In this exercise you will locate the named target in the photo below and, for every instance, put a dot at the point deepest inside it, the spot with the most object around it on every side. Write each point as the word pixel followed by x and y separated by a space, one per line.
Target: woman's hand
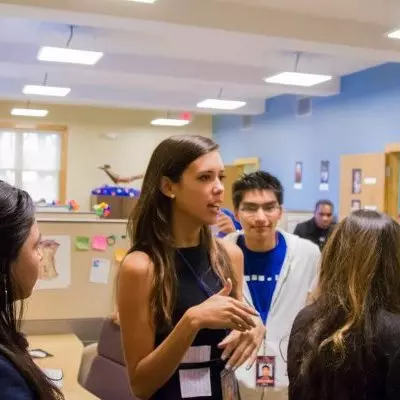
pixel 223 312
pixel 238 347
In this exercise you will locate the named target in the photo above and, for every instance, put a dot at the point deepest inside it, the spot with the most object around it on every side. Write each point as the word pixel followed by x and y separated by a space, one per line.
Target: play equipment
pixel 73 205
pixel 102 209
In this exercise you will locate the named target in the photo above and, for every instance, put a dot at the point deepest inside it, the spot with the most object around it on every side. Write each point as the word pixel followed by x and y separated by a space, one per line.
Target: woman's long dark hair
pixel 359 278
pixel 150 222
pixel 17 216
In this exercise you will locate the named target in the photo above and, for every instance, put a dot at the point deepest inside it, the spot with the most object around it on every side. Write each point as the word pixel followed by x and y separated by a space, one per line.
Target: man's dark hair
pixel 323 202
pixel 259 180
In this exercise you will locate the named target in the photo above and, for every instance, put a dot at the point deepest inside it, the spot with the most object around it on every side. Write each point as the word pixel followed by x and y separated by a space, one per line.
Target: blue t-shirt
pixel 261 272
pixel 230 214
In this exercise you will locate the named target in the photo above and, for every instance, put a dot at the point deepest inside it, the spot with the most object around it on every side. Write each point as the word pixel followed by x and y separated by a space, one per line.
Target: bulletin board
pixel 82 298
pixel 362 183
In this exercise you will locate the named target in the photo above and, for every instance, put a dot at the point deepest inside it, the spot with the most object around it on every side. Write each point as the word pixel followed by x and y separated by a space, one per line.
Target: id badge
pixel 230 388
pixel 265 371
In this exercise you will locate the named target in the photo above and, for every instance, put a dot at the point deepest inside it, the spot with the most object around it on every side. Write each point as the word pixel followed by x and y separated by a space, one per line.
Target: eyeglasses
pixel 268 209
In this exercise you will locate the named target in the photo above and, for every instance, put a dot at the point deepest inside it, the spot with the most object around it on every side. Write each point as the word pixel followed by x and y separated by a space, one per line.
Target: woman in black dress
pixel 180 305
pixel 346 345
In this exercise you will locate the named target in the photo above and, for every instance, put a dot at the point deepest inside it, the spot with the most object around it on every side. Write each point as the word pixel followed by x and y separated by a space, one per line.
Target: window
pixel 31 160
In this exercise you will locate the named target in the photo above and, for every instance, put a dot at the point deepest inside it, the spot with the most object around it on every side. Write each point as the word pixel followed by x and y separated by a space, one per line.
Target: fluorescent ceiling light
pixel 394 34
pixel 143 1
pixel 46 90
pixel 298 79
pixel 169 122
pixel 29 112
pixel 217 104
pixel 71 56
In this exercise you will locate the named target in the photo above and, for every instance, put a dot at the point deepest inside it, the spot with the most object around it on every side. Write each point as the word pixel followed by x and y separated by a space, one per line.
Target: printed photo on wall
pixel 324 176
pixel 298 175
pixel 356 181
pixel 355 205
pixel 55 266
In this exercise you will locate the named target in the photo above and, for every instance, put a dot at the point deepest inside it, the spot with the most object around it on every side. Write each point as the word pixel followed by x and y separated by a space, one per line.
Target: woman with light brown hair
pixel 346 345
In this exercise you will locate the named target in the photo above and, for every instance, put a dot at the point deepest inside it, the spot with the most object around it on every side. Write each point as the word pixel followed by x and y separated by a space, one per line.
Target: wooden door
pixel 232 173
pixel 362 182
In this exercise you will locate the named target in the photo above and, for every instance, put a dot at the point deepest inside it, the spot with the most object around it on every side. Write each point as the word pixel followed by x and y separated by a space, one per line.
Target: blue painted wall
pixel 362 119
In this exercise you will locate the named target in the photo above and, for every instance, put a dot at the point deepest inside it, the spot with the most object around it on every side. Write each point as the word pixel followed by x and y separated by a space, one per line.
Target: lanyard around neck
pixel 206 289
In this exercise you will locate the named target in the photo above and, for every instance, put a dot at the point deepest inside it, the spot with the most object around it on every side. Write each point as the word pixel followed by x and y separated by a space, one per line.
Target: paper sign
pixel 119 254
pixel 82 243
pixel 195 383
pixel 370 181
pixel 196 354
pixel 99 243
pixel 100 270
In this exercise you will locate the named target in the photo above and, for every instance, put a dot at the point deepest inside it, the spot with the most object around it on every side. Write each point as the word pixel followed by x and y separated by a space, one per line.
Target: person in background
pixel 279 268
pixel 20 256
pixel 179 290
pixel 346 345
pixel 227 223
pixel 318 228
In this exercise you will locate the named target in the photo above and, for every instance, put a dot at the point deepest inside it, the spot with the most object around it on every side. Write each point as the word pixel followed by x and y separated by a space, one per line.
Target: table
pixel 67 351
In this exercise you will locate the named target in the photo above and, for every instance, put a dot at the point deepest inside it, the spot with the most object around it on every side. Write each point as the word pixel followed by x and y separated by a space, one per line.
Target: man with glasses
pixel 279 268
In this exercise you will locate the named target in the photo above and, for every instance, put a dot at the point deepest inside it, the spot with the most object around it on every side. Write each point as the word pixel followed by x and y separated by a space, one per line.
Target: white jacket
pixel 298 274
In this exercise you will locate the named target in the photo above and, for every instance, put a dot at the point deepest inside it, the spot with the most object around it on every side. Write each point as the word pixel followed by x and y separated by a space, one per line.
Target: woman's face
pixel 25 269
pixel 200 192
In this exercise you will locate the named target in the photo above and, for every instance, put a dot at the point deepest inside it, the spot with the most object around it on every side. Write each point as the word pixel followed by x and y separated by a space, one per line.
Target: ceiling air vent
pixel 304 106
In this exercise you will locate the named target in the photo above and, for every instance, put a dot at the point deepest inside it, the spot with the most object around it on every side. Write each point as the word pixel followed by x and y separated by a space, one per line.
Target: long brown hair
pixel 17 216
pixel 149 225
pixel 359 277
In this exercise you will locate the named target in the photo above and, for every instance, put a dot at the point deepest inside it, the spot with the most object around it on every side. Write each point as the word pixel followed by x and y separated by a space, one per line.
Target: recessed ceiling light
pixel 298 79
pixel 29 112
pixel 71 56
pixel 394 34
pixel 169 122
pixel 46 90
pixel 217 104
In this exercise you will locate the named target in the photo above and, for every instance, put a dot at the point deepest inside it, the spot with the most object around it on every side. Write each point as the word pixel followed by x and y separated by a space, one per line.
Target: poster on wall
pixel 355 205
pixel 324 176
pixel 298 175
pixel 55 267
pixel 356 181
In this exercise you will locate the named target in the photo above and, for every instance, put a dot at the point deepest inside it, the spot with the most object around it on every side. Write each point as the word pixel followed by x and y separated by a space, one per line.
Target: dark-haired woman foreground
pixel 20 378
pixel 346 345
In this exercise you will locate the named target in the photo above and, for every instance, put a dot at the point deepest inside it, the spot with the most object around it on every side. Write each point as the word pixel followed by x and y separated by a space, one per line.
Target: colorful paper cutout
pixel 99 243
pixel 82 243
pixel 119 254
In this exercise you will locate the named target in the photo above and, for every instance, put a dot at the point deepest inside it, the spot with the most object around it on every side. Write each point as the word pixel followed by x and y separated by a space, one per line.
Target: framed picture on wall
pixel 355 205
pixel 298 175
pixel 356 180
pixel 324 176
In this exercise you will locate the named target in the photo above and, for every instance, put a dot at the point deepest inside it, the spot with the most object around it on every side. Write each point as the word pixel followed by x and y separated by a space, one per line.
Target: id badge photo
pixel 265 371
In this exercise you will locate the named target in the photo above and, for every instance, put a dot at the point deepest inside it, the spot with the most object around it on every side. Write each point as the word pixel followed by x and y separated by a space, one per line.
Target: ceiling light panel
pixel 46 90
pixel 69 56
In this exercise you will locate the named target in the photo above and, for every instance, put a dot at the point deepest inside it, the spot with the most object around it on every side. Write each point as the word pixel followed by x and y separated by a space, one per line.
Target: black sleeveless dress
pixel 190 294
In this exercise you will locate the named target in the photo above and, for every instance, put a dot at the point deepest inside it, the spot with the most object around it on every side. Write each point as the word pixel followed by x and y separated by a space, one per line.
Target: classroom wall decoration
pixel 55 267
pixel 324 176
pixel 356 184
pixel 298 175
